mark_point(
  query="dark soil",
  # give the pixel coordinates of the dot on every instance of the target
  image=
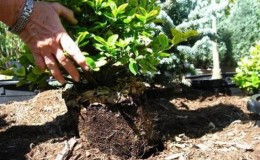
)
(160, 124)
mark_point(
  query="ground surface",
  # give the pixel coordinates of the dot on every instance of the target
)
(195, 126)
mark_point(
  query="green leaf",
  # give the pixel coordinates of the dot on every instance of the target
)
(152, 14)
(133, 66)
(175, 32)
(31, 77)
(101, 40)
(21, 82)
(118, 63)
(91, 4)
(163, 54)
(82, 36)
(133, 2)
(178, 36)
(37, 71)
(29, 58)
(19, 71)
(141, 17)
(163, 40)
(123, 43)
(98, 3)
(112, 39)
(128, 19)
(7, 72)
(105, 5)
(110, 16)
(113, 6)
(191, 33)
(83, 44)
(143, 3)
(143, 11)
(91, 63)
(99, 47)
(121, 8)
(101, 62)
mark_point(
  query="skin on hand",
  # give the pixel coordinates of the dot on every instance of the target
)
(48, 40)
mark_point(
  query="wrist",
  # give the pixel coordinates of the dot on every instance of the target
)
(11, 11)
(23, 19)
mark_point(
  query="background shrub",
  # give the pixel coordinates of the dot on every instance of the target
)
(11, 47)
(240, 30)
(248, 71)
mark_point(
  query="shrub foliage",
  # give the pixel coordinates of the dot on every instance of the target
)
(248, 71)
(118, 39)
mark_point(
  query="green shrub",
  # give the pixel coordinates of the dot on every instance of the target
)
(118, 39)
(240, 30)
(247, 75)
(123, 35)
(11, 46)
(116, 34)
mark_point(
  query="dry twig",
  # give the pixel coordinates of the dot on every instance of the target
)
(69, 145)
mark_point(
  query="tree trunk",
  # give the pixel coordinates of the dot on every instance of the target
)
(216, 71)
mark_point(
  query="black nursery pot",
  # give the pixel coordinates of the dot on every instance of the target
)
(253, 104)
(204, 82)
(9, 91)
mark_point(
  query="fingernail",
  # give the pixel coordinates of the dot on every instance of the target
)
(62, 81)
(75, 21)
(86, 68)
(76, 79)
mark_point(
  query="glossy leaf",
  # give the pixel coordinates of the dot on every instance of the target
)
(133, 66)
(19, 71)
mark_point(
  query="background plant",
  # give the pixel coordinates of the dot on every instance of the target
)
(248, 71)
(237, 20)
(11, 47)
(17, 61)
(240, 30)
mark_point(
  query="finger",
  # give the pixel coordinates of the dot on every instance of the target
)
(50, 62)
(67, 64)
(65, 13)
(73, 50)
(39, 61)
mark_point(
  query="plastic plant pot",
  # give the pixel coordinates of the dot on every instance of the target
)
(205, 82)
(253, 104)
(9, 92)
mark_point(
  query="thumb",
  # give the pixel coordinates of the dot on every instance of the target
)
(65, 13)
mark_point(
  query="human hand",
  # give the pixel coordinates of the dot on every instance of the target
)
(48, 40)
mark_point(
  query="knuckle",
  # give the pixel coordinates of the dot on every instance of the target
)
(56, 5)
(63, 61)
(82, 61)
(50, 64)
(70, 12)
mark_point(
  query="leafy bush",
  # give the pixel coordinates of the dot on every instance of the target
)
(118, 39)
(11, 47)
(116, 34)
(240, 30)
(16, 60)
(247, 75)
(27, 72)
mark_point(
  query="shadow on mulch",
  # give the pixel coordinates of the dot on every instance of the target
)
(3, 123)
(17, 141)
(165, 120)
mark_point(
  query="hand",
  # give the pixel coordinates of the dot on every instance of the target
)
(48, 40)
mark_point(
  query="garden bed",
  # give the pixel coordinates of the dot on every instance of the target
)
(194, 125)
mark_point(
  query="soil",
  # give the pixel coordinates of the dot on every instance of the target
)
(161, 124)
